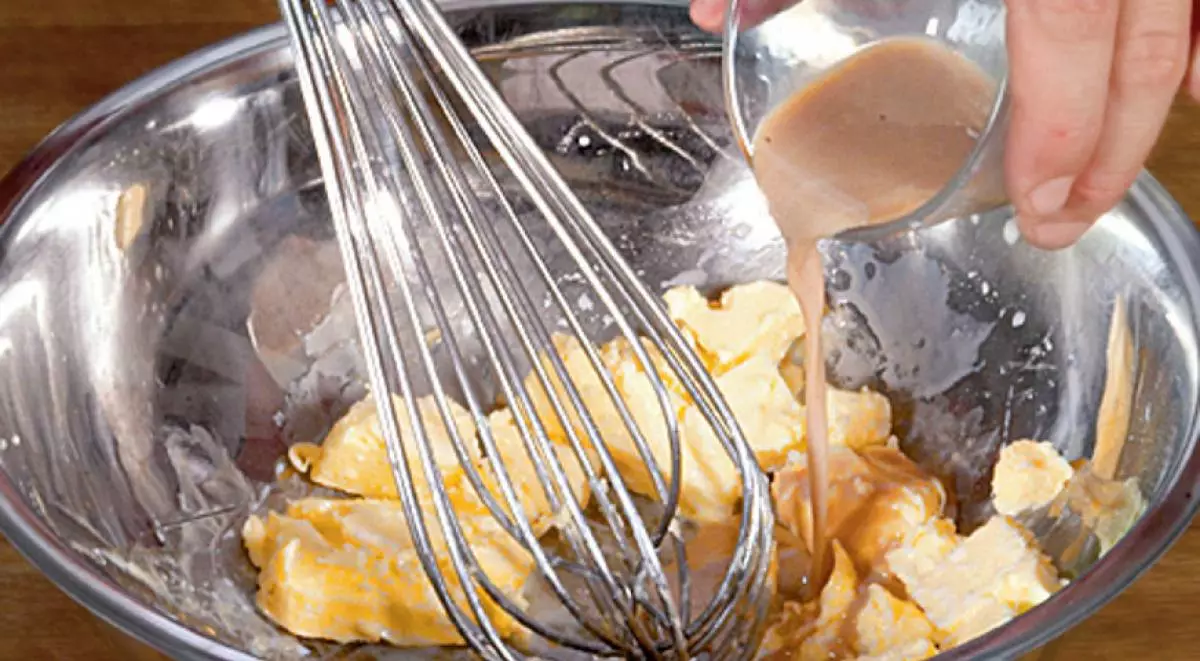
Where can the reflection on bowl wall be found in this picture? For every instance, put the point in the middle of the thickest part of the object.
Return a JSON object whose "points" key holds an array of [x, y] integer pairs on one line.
{"points": [[168, 271]]}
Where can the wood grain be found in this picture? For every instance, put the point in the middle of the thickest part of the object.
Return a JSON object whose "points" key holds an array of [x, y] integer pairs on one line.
{"points": [[59, 56]]}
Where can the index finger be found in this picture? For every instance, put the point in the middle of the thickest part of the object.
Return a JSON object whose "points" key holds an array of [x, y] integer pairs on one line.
{"points": [[1060, 56], [709, 15]]}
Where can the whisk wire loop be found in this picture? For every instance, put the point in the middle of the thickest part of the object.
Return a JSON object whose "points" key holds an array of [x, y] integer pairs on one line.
{"points": [[382, 81], [482, 317], [377, 326]]}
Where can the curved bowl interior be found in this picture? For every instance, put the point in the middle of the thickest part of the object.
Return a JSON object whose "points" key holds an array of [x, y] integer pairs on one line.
{"points": [[168, 269]]}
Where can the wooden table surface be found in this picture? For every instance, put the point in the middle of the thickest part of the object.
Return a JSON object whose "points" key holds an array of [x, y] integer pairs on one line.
{"points": [[59, 56]]}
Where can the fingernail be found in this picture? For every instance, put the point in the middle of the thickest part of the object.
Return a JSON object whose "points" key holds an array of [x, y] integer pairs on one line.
{"points": [[1051, 196], [707, 14], [1056, 235]]}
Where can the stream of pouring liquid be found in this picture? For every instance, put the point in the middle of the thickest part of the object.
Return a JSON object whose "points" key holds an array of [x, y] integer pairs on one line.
{"points": [[870, 141]]}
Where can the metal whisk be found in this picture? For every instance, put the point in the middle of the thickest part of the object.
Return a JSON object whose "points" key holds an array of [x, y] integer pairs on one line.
{"points": [[406, 172]]}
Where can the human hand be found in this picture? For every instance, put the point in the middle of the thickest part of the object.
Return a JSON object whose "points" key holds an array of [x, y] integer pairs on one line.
{"points": [[1083, 126], [1091, 83]]}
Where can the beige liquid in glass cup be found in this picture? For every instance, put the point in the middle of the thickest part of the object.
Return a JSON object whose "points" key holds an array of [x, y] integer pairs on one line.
{"points": [[890, 134]]}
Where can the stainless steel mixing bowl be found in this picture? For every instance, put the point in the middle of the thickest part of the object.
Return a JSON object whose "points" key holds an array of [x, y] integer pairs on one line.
{"points": [[169, 314]]}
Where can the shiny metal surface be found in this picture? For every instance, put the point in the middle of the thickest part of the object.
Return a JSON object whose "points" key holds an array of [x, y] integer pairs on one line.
{"points": [[412, 196], [167, 270]]}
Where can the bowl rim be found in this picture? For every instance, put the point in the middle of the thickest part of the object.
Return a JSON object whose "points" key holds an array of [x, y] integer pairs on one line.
{"points": [[71, 571], [66, 567]]}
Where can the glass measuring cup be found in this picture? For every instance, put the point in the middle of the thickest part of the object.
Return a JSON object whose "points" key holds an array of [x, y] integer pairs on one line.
{"points": [[774, 48]]}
